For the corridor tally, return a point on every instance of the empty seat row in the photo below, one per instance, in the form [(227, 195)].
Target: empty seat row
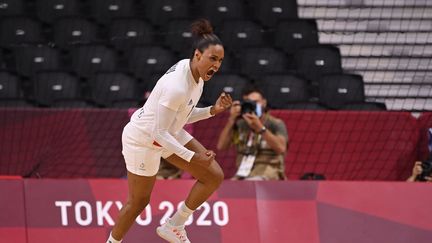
[(71, 31), (85, 60), (143, 61), (159, 12), (288, 35), (335, 91), (113, 89), (61, 89)]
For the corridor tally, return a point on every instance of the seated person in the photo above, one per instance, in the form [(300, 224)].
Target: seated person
[(260, 139)]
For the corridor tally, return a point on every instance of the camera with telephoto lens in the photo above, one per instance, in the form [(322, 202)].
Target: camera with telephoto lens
[(248, 106), (426, 170), (251, 107)]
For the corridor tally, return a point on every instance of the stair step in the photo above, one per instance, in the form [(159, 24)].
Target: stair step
[(400, 77), (374, 25), (314, 12), (384, 63), (390, 3), (395, 90), (382, 50), (408, 104), (375, 38)]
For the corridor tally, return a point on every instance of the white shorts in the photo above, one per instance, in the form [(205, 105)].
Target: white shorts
[(142, 157)]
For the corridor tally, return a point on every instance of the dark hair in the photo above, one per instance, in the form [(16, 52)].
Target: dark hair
[(252, 89), (312, 176), (202, 33)]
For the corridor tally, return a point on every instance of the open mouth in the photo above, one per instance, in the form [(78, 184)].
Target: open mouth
[(210, 73)]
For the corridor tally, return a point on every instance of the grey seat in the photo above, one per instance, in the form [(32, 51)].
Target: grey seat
[(284, 90), (11, 94), (16, 31), (110, 89), (127, 33), (70, 32), (337, 90), (89, 59), (57, 89), (50, 11), (229, 83), (147, 60), (31, 59)]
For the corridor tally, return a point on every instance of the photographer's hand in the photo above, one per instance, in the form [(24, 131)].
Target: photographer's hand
[(253, 121), (417, 170), (225, 137), (235, 110), (274, 141)]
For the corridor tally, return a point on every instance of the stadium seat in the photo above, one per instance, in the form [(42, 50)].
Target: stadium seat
[(2, 61), (50, 10), (291, 35), (11, 7), (147, 85), (31, 59), (228, 83), (258, 61), (146, 60), (89, 59), (105, 10), (337, 90), (114, 90), (10, 90), (179, 37), (161, 11), (228, 64), (313, 62), (219, 10), (60, 88), (269, 12), (304, 106), (19, 30), (365, 106), (74, 31), (126, 33), (237, 34), (283, 90)]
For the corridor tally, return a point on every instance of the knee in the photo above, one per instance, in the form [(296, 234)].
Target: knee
[(215, 175), (138, 203)]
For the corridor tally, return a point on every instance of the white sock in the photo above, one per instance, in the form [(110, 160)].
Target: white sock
[(181, 215), (112, 240)]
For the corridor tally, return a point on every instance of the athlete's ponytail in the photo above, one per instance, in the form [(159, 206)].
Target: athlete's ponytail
[(203, 35)]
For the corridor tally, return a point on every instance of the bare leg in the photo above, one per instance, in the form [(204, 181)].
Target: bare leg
[(208, 178), (140, 188)]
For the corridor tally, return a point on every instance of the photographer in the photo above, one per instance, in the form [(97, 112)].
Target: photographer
[(421, 172), (260, 139)]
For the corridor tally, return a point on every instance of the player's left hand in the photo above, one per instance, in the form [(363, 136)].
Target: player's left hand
[(222, 103)]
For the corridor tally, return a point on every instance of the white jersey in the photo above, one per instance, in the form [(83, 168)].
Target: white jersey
[(170, 106)]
